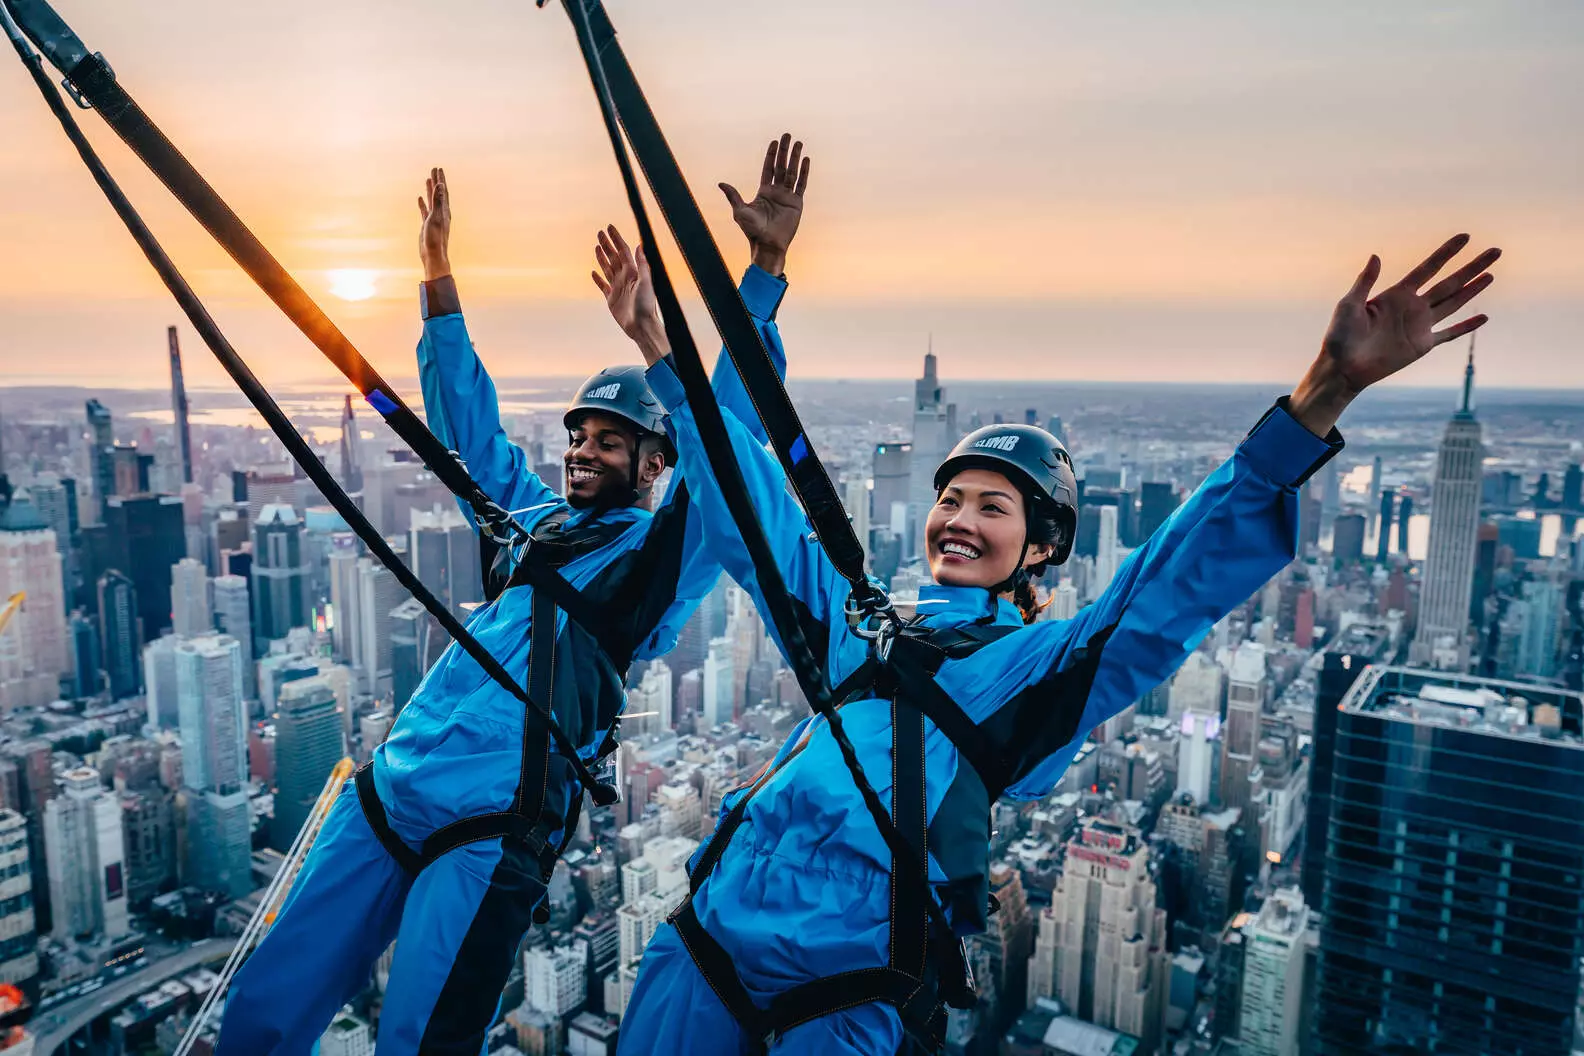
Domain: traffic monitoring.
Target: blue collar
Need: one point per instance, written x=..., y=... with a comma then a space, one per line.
x=964, y=604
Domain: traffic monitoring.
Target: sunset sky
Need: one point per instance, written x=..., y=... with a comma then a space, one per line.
x=1121, y=190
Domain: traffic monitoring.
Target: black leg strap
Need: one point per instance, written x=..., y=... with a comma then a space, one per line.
x=910, y=809
x=374, y=813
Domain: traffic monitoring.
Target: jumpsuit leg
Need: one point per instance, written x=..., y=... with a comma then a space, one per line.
x=340, y=915
x=465, y=917
x=673, y=1008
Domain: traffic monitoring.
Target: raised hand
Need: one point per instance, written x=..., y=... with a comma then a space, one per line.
x=771, y=220
x=1372, y=338
x=624, y=279
x=434, y=232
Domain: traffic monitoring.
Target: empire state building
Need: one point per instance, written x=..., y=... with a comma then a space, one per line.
x=1447, y=589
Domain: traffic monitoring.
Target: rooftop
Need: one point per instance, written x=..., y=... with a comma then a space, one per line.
x=1494, y=707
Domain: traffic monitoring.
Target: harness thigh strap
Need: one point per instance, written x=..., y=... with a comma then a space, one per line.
x=374, y=813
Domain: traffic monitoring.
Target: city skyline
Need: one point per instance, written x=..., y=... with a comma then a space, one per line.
x=1200, y=188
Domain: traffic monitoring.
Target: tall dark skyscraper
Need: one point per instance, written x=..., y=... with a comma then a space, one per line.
x=308, y=744
x=1388, y=502
x=179, y=406
x=1454, y=882
x=1573, y=487
x=101, y=452
x=1349, y=653
x=351, y=463
x=120, y=638
x=1347, y=538
x=1404, y=515
x=280, y=574
x=142, y=538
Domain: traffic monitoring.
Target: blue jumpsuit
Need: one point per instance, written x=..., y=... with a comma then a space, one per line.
x=802, y=889
x=455, y=752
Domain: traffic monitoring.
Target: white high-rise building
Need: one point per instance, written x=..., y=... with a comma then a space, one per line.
x=856, y=499
x=34, y=650
x=1240, y=735
x=345, y=603
x=1110, y=964
x=640, y=877
x=191, y=614
x=159, y=683
x=1198, y=742
x=213, y=717
x=84, y=851
x=718, y=683
x=1448, y=586
x=1273, y=975
x=1108, y=555
x=1063, y=602
x=555, y=981
x=20, y=961
x=233, y=615
x=649, y=703
x=637, y=921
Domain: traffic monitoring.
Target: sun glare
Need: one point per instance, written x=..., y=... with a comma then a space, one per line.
x=352, y=284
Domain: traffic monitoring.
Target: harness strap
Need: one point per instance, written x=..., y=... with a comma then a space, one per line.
x=910, y=809
x=914, y=687
x=739, y=332
x=534, y=780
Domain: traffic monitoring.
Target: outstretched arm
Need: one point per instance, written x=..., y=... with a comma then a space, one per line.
x=1237, y=530
x=459, y=397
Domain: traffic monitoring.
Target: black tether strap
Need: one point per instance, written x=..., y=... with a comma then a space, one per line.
x=94, y=83
x=728, y=475
x=235, y=366
x=739, y=333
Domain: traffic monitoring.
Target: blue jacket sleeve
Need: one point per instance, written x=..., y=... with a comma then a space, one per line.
x=761, y=293
x=462, y=408
x=809, y=575
x=1235, y=532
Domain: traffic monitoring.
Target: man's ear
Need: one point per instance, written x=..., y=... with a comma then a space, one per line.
x=651, y=463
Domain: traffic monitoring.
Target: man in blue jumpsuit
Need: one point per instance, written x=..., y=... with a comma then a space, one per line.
x=459, y=749
x=802, y=889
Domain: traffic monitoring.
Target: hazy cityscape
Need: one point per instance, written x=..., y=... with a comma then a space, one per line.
x=1349, y=824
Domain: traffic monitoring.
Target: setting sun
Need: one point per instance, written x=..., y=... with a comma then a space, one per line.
x=352, y=284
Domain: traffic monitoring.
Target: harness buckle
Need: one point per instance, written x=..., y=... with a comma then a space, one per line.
x=76, y=95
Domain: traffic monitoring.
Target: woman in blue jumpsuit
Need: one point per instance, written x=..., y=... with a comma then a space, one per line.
x=801, y=890
x=457, y=747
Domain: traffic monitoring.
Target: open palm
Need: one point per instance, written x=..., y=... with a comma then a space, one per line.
x=771, y=220
x=1372, y=338
x=625, y=281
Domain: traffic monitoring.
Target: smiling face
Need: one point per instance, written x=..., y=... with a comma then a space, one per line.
x=599, y=462
x=976, y=529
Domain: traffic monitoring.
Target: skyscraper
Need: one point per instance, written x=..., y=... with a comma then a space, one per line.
x=379, y=594
x=179, y=406
x=215, y=764
x=280, y=575
x=142, y=537
x=148, y=834
x=308, y=744
x=86, y=659
x=1157, y=501
x=120, y=633
x=1111, y=967
x=34, y=652
x=444, y=551
x=1388, y=504
x=344, y=634
x=82, y=834
x=931, y=444
x=350, y=442
x=1244, y=718
x=50, y=499
x=1453, y=901
x=233, y=616
x=1273, y=975
x=1347, y=537
x=19, y=962
x=190, y=610
x=101, y=454
x=1454, y=533
x=159, y=683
